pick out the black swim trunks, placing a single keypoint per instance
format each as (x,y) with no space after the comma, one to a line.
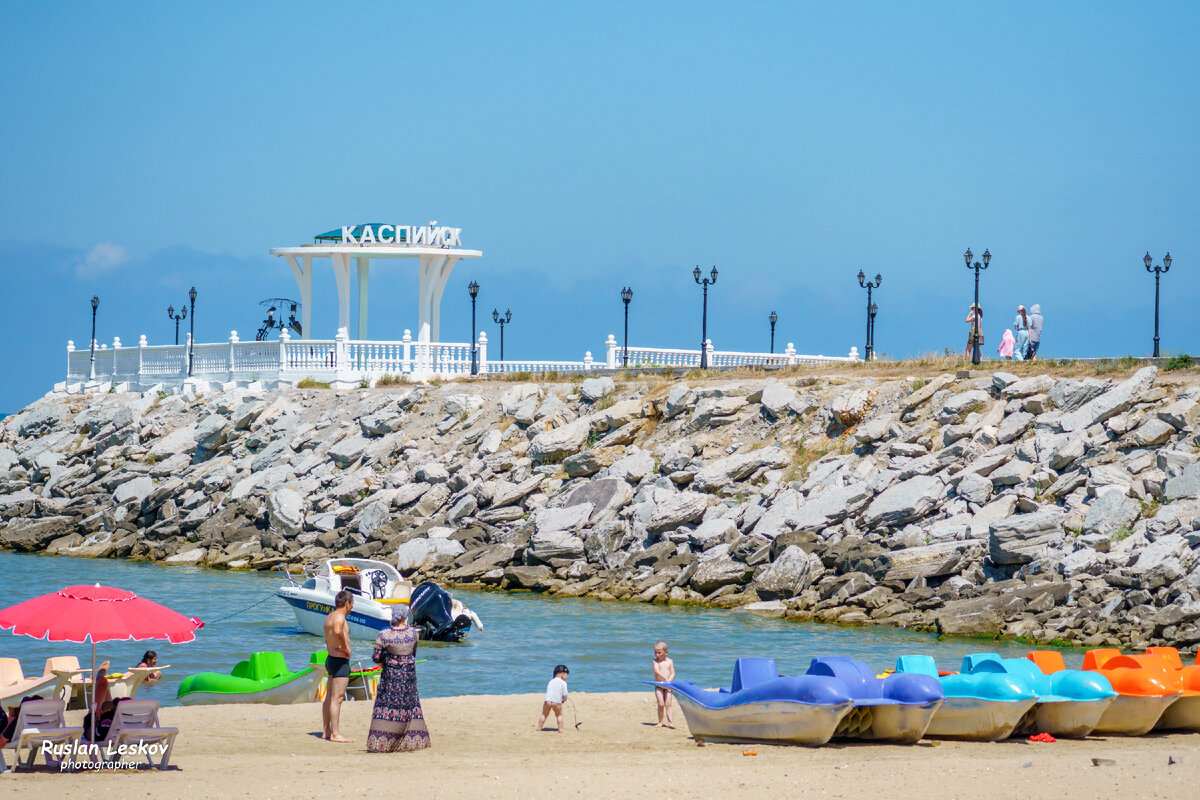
(337,667)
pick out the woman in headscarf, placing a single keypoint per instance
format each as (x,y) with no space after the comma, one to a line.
(397,722)
(1021,326)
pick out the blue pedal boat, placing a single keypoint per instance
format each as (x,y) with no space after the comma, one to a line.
(983,707)
(761,706)
(1069,702)
(897,708)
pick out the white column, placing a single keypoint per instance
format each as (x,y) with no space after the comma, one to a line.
(341,274)
(430,283)
(303,275)
(610,352)
(362,267)
(435,306)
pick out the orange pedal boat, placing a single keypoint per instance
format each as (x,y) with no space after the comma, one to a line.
(1184,713)
(1145,690)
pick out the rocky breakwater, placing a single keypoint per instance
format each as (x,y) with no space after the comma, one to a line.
(1056,509)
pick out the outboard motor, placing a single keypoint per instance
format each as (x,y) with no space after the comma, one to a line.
(433,617)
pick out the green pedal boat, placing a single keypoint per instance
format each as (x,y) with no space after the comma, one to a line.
(262,678)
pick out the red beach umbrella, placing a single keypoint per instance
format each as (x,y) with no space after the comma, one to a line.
(97,614)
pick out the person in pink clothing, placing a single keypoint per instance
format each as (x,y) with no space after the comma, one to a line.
(1007,343)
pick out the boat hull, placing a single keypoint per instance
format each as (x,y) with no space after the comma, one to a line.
(900,723)
(301,690)
(1182,715)
(977,720)
(1068,719)
(310,611)
(770,722)
(1131,715)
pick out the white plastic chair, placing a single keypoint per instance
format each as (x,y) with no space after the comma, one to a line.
(136,722)
(42,721)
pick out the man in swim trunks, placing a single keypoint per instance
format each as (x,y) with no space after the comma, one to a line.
(337,642)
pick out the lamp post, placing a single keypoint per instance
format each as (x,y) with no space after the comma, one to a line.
(92,368)
(773,318)
(192,333)
(975,313)
(177,317)
(1157,270)
(473,288)
(872,310)
(869,350)
(626,297)
(704,318)
(502,321)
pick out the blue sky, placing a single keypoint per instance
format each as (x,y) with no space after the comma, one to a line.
(149,147)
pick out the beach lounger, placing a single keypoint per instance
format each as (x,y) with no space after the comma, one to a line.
(136,722)
(130,681)
(14,685)
(71,681)
(41,721)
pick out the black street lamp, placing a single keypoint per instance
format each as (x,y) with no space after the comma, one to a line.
(774,317)
(1157,270)
(473,288)
(869,350)
(872,310)
(177,317)
(192,333)
(626,297)
(704,319)
(976,313)
(92,368)
(502,321)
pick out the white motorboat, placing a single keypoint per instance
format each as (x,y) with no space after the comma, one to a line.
(376,586)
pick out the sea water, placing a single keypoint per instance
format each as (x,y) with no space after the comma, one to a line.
(607,645)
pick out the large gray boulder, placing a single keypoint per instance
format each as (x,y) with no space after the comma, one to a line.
(591,461)
(558,443)
(348,450)
(789,574)
(285,511)
(595,388)
(1162,562)
(570,519)
(1184,485)
(414,553)
(1013,426)
(1069,394)
(1027,387)
(606,496)
(1021,538)
(1120,398)
(777,400)
(956,407)
(919,396)
(680,509)
(932,560)
(724,471)
(826,507)
(633,467)
(974,488)
(1109,512)
(212,432)
(904,502)
(711,574)
(135,490)
(32,535)
(555,545)
(713,532)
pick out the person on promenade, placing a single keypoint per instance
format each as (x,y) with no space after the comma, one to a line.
(556,695)
(337,665)
(150,659)
(1021,326)
(664,671)
(397,722)
(1035,331)
(971,320)
(1007,342)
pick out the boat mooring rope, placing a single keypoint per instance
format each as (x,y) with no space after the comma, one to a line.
(247,608)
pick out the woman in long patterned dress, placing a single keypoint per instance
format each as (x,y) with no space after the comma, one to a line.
(397,722)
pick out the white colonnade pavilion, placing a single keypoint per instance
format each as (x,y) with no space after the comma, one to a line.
(436,249)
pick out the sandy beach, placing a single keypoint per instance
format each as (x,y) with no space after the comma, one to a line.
(485,746)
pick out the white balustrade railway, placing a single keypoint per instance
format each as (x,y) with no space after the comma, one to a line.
(346,362)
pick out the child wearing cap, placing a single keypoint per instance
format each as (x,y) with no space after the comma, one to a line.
(556,695)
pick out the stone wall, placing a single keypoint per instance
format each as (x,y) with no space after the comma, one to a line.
(1056,509)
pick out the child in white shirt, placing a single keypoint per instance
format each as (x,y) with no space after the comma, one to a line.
(556,695)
